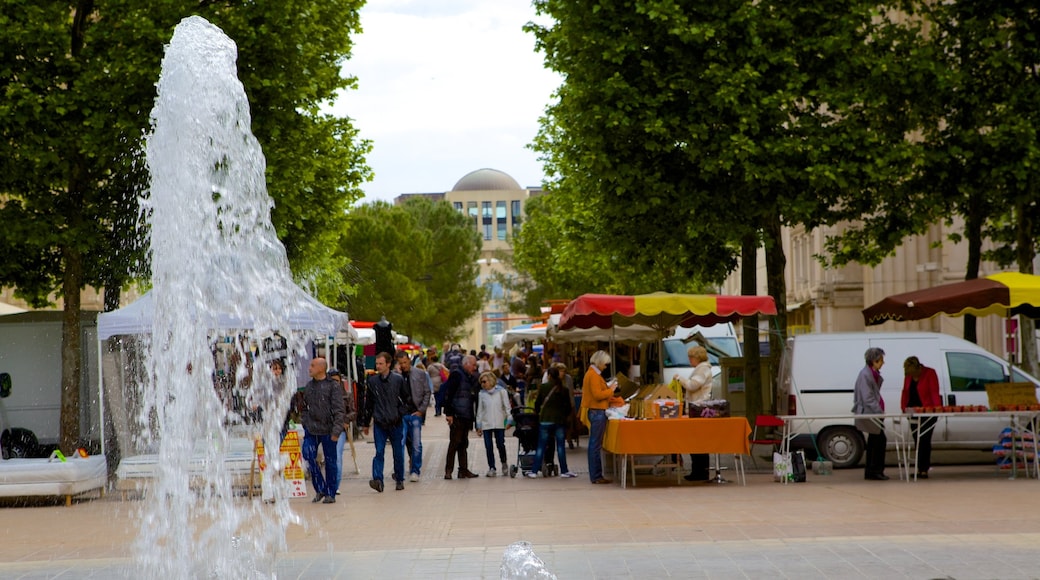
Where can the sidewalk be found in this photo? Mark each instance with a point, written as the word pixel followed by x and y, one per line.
pixel 964 522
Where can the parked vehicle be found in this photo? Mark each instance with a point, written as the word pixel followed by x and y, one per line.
pixel 30 359
pixel 720 340
pixel 818 372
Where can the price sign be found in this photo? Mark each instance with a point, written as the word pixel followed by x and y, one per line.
pixel 1006 394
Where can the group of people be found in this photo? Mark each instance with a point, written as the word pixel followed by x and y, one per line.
pixel 472 397
pixel 920 389
pixel 393 410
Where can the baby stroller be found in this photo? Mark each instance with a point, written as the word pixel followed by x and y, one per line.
pixel 526 432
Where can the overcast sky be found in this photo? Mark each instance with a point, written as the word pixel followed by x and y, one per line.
pixel 446 87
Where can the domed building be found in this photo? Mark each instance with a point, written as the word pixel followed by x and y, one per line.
pixel 495 202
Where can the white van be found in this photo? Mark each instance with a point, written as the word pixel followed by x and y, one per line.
pixel 723 341
pixel 818 372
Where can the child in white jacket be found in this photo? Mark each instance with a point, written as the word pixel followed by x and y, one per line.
pixel 492 411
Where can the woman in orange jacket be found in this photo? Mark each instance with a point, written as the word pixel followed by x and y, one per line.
pixel 921 389
pixel 595 397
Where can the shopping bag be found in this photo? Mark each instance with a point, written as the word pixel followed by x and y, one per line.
pixel 798 466
pixel 781 466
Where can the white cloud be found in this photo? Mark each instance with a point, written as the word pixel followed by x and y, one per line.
pixel 446 87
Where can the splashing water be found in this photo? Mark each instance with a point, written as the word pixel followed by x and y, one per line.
pixel 215 257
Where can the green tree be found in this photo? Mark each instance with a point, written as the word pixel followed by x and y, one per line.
pixel 971 70
pixel 702 127
pixel 78 81
pixel 416 264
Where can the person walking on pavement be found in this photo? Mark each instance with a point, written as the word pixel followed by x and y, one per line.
pixel 349 416
pixel 493 409
pixel 460 409
pixel 418 383
pixel 386 404
pixel 554 405
pixel 322 417
pixel 438 376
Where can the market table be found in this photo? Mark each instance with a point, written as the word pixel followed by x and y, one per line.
pixel 626 437
pixel 900 430
pixel 1020 422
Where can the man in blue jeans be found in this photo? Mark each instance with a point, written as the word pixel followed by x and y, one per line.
pixel 386 403
pixel 322 418
pixel 418 383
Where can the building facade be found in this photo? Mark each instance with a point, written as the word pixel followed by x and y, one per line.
pixel 823 299
pixel 495 203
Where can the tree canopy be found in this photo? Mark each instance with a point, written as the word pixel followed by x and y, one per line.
pixel 696 129
pixel 78 82
pixel 416 264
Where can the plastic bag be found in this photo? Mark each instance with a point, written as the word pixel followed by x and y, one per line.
pixel 781 467
pixel 520 562
pixel 798 467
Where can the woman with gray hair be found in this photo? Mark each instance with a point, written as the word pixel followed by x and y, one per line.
pixel 595 398
pixel 867 401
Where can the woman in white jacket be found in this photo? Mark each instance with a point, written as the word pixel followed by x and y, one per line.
pixel 698 388
pixel 492 411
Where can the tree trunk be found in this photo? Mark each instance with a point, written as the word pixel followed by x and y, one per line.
pixel 1024 255
pixel 752 369
pixel 776 264
pixel 71 349
pixel 973 233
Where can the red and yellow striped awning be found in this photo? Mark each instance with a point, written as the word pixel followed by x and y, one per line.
pixel 661 310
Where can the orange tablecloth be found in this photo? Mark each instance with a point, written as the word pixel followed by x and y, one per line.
pixel 684 435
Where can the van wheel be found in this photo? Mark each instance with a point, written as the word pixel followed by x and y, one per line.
pixel 842 445
pixel 19 443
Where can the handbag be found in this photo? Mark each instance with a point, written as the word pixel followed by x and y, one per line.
pixel 583 416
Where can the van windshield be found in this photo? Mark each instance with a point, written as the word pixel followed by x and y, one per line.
pixel 675 351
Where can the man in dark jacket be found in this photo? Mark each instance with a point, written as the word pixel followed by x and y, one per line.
pixel 418 383
pixel 460 409
pixel 386 404
pixel 322 418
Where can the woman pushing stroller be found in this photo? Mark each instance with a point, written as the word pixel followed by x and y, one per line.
pixel 554 405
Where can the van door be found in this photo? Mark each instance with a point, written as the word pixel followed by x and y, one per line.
pixel 969 373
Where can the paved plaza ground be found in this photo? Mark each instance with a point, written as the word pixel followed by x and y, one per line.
pixel 967 521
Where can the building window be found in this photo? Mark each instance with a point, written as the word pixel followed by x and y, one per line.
pixel 495 323
pixel 517 218
pixel 500 219
pixel 471 209
pixel 487 231
pixel 458 206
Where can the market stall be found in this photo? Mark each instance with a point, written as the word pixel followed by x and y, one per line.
pixel 523 332
pixel 1006 294
pixel 138 466
pixel 662 312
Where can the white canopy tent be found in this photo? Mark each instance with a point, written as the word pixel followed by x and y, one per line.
pixel 137 318
pixel 536 331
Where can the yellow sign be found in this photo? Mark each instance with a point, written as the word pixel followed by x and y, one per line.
pixel 1010 394
pixel 292 457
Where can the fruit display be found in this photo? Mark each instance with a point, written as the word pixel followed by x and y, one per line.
pixel 950 409
pixel 1033 407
